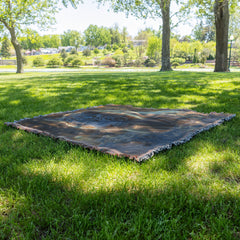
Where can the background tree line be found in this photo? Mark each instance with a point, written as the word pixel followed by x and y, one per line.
pixel 94 36
pixel 195 48
pixel 17 15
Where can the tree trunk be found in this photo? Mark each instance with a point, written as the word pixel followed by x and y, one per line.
pixel 221 12
pixel 17 48
pixel 165 8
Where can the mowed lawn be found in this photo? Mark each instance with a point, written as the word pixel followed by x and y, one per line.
pixel 53 190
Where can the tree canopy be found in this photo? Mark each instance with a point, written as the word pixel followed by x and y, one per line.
pixel 234 25
pixel 71 38
pixel 22 13
pixel 5 49
pixel 97 36
pixel 220 10
pixel 17 15
pixel 145 9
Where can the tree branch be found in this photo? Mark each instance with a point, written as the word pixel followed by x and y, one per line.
pixel 5 23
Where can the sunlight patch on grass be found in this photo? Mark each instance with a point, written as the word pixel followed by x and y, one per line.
pixel 110 98
pixel 193 98
pixel 17 136
pixel 85 178
pixel 14 102
pixel 207 155
pixel 5 207
pixel 69 174
pixel 10 203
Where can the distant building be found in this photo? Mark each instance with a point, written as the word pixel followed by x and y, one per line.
pixel 8 62
pixel 137 43
pixel 33 52
pixel 67 48
pixel 82 48
pixel 48 50
pixel 102 47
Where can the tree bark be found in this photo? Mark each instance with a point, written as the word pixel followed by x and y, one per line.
pixel 165 8
pixel 17 48
pixel 221 12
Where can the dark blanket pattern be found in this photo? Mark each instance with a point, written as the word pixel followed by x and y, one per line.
pixel 126 131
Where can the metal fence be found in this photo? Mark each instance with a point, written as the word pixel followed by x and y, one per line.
pixel 8 62
pixel 235 63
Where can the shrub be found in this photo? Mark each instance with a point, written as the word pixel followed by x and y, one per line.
pixel 109 61
pixel 236 54
pixel 180 54
pixel 54 62
pixel 150 62
pixel 122 45
pixel 131 46
pixel 68 60
pixel 118 52
pixel 138 62
pixel 97 62
pixel 211 57
pixel 24 60
pixel 119 60
pixel 38 62
pixel 126 59
pixel 86 52
pixel 203 59
pixel 130 63
pixel 73 61
pixel 125 50
pixel 109 48
pixel 195 59
pixel 154 48
pixel 115 46
pixel 175 64
pixel 76 62
pixel 63 54
pixel 195 56
pixel 74 51
pixel 105 52
pixel 96 50
pixel 178 60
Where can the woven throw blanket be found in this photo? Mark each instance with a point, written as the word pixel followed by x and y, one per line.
pixel 125 131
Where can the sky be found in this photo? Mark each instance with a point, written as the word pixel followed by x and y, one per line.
pixel 88 13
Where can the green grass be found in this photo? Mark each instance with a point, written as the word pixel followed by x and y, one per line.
pixel 196 65
pixel 53 190
pixel 8 67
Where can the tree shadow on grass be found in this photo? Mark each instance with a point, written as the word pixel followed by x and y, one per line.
pixel 44 206
pixel 70 91
pixel 52 93
pixel 44 94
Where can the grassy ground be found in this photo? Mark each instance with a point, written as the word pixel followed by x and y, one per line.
pixel 53 190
